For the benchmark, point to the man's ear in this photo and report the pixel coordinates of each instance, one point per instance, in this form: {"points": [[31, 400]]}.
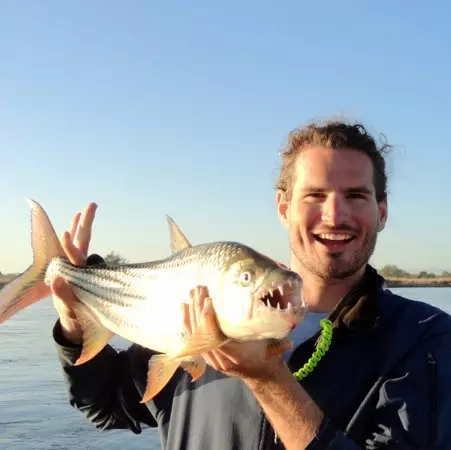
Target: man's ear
{"points": [[282, 207], [383, 214]]}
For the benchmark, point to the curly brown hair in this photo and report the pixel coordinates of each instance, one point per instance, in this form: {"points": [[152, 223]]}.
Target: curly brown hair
{"points": [[337, 135]]}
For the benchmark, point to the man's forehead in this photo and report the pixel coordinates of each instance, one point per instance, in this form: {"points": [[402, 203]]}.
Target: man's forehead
{"points": [[343, 167]]}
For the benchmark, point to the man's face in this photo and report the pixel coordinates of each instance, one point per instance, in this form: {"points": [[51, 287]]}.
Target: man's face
{"points": [[333, 216]]}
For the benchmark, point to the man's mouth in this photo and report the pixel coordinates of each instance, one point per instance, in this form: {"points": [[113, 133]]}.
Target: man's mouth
{"points": [[335, 240]]}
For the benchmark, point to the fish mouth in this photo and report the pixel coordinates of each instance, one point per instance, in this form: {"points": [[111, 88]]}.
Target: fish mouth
{"points": [[281, 297]]}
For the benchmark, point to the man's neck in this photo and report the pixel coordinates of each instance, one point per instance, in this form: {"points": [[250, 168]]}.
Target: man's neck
{"points": [[321, 295]]}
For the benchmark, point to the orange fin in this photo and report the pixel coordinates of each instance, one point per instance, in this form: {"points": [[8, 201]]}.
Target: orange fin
{"points": [[201, 342], [276, 346], [95, 335], [29, 287], [161, 369], [195, 368]]}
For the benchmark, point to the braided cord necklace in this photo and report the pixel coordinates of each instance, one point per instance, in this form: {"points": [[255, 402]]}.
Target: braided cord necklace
{"points": [[322, 346]]}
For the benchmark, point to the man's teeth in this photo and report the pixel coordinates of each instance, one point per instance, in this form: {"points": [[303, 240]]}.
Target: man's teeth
{"points": [[335, 236]]}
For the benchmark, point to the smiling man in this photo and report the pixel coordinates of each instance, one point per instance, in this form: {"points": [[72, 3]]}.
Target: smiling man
{"points": [[375, 375]]}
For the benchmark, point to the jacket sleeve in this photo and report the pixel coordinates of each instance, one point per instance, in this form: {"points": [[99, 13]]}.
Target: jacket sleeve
{"points": [[103, 388], [410, 409]]}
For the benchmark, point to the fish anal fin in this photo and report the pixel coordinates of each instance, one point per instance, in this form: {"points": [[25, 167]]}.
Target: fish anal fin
{"points": [[195, 368], [200, 342], [277, 346], [206, 337], [95, 335], [160, 371], [178, 240]]}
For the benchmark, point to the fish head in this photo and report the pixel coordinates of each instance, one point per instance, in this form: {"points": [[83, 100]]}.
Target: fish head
{"points": [[258, 298]]}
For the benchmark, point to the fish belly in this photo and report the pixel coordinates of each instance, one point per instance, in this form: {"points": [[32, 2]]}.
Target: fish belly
{"points": [[154, 321]]}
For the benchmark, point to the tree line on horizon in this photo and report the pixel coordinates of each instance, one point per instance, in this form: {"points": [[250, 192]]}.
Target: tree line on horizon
{"points": [[392, 271], [388, 271], [110, 258]]}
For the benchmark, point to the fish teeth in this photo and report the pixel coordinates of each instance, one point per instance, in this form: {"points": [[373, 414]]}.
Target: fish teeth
{"points": [[281, 289]]}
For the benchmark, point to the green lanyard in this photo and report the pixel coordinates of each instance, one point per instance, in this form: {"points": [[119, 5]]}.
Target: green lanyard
{"points": [[322, 347]]}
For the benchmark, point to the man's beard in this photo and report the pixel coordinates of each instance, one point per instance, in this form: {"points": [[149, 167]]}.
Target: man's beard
{"points": [[336, 269]]}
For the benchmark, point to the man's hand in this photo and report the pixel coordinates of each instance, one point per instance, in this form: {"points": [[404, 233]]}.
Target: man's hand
{"points": [[253, 359], [292, 413], [75, 243]]}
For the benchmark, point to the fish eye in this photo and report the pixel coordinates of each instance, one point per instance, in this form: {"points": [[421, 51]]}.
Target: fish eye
{"points": [[245, 278]]}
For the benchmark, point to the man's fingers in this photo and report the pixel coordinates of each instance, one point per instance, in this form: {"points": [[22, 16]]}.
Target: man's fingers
{"points": [[223, 356], [191, 311], [61, 289], [186, 318], [73, 253], [74, 226], [212, 361], [83, 234], [198, 305]]}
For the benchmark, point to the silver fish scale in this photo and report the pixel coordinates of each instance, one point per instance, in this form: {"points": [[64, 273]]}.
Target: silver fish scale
{"points": [[119, 285]]}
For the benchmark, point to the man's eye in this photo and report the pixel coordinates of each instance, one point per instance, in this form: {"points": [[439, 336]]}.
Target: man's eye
{"points": [[357, 195], [315, 195]]}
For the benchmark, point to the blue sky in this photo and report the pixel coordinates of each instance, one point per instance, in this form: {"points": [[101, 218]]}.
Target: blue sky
{"points": [[180, 108]]}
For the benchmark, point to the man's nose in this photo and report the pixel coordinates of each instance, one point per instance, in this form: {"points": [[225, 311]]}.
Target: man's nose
{"points": [[335, 210]]}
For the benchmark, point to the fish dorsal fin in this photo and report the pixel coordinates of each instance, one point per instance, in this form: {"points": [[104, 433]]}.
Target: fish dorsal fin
{"points": [[178, 239]]}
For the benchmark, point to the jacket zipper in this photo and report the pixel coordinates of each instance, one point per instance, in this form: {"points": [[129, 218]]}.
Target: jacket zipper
{"points": [[432, 367]]}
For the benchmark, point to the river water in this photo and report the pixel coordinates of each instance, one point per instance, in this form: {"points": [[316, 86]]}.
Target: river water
{"points": [[34, 411]]}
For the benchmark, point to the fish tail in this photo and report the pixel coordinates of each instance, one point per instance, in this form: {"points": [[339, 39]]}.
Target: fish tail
{"points": [[29, 287]]}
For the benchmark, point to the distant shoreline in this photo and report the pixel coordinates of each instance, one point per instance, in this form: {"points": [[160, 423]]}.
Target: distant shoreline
{"points": [[5, 279], [418, 282], [390, 282]]}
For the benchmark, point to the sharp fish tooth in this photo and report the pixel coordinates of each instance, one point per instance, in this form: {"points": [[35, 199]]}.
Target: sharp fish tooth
{"points": [[289, 282], [289, 307], [281, 289], [278, 306]]}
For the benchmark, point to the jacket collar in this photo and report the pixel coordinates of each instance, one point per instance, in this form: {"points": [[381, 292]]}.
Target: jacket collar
{"points": [[358, 310]]}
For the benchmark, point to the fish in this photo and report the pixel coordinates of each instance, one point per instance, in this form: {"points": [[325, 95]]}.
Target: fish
{"points": [[254, 297]]}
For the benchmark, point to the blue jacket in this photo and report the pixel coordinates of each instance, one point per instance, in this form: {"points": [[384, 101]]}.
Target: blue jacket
{"points": [[385, 383]]}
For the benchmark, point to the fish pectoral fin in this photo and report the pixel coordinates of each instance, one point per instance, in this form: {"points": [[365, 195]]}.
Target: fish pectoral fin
{"points": [[95, 335], [195, 368], [200, 342], [277, 346], [160, 371]]}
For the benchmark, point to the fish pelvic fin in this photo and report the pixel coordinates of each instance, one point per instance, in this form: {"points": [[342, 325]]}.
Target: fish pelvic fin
{"points": [[95, 335], [195, 368], [178, 240], [163, 367], [277, 346], [160, 371], [29, 287]]}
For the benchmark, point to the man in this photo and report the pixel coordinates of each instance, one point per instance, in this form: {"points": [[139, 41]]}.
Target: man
{"points": [[384, 381]]}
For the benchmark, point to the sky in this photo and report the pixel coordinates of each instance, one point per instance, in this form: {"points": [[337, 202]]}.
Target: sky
{"points": [[181, 108]]}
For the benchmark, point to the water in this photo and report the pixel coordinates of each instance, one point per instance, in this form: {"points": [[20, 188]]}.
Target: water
{"points": [[34, 411]]}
